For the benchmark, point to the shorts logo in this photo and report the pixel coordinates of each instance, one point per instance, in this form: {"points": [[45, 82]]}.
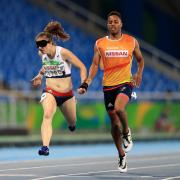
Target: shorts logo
{"points": [[123, 88], [116, 53], [43, 96], [134, 95]]}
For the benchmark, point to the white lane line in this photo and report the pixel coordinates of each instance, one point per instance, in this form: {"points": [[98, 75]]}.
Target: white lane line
{"points": [[111, 176], [86, 164], [156, 166], [76, 174], [58, 165], [19, 175], [97, 172], [169, 178]]}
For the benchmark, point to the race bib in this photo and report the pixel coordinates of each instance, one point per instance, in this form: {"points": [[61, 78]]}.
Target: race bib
{"points": [[54, 70]]}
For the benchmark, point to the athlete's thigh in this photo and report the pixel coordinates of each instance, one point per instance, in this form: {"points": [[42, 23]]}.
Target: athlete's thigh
{"points": [[109, 99], [123, 96], [68, 108], [121, 101], [49, 104]]}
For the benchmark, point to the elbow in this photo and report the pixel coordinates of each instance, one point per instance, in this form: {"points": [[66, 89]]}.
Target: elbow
{"points": [[94, 67], [141, 62]]}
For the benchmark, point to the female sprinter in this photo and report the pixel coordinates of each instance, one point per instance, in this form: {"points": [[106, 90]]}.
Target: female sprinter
{"points": [[56, 67]]}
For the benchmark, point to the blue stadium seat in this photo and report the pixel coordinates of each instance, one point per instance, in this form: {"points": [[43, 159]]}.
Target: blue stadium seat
{"points": [[21, 22]]}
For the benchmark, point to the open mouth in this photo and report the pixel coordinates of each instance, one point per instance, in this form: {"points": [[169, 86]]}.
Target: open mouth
{"points": [[113, 28]]}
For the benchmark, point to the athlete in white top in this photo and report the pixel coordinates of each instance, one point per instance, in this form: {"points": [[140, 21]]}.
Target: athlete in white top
{"points": [[56, 67]]}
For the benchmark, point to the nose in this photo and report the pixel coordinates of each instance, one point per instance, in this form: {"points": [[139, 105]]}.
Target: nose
{"points": [[112, 24]]}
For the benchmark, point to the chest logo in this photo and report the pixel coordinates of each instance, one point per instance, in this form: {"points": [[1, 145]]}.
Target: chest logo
{"points": [[116, 53]]}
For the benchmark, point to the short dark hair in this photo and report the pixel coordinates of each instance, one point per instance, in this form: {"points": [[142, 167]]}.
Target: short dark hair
{"points": [[114, 13]]}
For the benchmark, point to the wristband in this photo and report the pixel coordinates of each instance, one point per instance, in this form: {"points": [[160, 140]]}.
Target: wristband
{"points": [[84, 85]]}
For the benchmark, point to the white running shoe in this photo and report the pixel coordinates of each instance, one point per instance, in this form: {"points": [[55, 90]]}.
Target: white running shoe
{"points": [[122, 165], [127, 141]]}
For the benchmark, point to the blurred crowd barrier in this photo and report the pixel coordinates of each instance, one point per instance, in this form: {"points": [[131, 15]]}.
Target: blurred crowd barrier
{"points": [[149, 113]]}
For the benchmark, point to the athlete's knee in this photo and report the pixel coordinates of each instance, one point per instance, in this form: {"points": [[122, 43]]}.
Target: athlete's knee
{"points": [[115, 126], [47, 116], [113, 116], [111, 112], [119, 110]]}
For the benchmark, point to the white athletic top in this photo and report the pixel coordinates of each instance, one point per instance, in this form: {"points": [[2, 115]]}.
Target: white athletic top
{"points": [[56, 67]]}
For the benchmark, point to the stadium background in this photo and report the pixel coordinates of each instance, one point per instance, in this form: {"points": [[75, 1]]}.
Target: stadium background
{"points": [[155, 114]]}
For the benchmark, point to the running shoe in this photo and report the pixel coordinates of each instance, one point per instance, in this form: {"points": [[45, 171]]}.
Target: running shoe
{"points": [[127, 141], [72, 128], [122, 165], [44, 151]]}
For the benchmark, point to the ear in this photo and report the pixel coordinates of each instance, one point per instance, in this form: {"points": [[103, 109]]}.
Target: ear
{"points": [[121, 25]]}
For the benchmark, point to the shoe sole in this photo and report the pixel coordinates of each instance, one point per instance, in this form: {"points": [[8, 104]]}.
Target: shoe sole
{"points": [[43, 154], [122, 170]]}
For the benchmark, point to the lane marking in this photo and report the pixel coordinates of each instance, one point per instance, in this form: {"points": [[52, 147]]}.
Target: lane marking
{"points": [[86, 164], [58, 165], [97, 172], [169, 178], [164, 155], [114, 176], [20, 175]]}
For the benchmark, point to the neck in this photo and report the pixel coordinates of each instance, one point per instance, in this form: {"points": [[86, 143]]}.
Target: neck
{"points": [[115, 36], [52, 52]]}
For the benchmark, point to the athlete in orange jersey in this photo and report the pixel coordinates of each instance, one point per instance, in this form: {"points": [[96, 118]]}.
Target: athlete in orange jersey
{"points": [[116, 57], [114, 53]]}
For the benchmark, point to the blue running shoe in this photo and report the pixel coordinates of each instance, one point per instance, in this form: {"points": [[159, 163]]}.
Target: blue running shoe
{"points": [[44, 151]]}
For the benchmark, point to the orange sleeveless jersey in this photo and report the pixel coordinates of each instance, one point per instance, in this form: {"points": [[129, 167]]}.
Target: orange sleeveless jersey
{"points": [[116, 56]]}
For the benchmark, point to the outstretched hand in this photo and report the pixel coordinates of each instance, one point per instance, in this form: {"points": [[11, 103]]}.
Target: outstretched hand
{"points": [[81, 90], [37, 80]]}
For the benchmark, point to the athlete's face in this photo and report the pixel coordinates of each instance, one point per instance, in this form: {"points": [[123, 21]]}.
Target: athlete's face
{"points": [[43, 44], [114, 24]]}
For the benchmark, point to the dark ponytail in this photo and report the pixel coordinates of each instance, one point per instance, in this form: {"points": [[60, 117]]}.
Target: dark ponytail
{"points": [[55, 29]]}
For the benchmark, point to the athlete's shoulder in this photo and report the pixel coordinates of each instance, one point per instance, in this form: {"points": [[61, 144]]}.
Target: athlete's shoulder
{"points": [[127, 36], [100, 40], [58, 48]]}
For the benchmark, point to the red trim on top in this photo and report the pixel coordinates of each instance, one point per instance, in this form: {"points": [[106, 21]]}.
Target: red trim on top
{"points": [[49, 90], [116, 86]]}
